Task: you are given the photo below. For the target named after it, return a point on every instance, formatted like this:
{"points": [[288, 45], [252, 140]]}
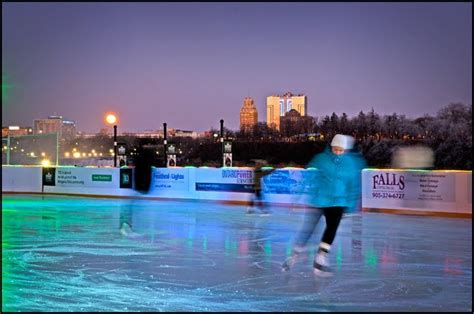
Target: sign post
{"points": [[171, 156], [227, 153]]}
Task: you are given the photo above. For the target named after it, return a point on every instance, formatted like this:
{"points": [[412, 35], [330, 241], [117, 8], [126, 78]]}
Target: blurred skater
{"points": [[413, 157], [256, 200], [338, 191], [144, 160]]}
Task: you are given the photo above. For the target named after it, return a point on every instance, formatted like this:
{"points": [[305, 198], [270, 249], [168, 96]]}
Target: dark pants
{"points": [[333, 217], [256, 197]]}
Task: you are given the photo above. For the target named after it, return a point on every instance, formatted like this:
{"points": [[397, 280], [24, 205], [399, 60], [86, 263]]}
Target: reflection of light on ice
{"points": [[67, 253]]}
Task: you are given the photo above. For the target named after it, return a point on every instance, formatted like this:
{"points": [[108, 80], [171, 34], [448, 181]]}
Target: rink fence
{"points": [[439, 193]]}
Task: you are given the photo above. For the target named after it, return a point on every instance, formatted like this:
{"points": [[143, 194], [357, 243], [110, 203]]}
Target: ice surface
{"points": [[68, 254]]}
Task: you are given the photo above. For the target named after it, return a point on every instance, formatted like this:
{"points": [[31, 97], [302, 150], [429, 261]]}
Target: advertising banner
{"points": [[170, 179], [121, 149], [171, 161], [284, 181], [85, 177], [225, 180], [410, 186], [227, 153], [227, 159], [49, 176], [126, 178]]}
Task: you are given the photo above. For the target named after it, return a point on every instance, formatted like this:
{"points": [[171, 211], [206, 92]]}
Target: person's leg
{"points": [[311, 219], [253, 198], [262, 207], [333, 217]]}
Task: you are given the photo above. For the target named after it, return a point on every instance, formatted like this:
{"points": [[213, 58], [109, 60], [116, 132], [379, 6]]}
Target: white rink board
{"points": [[22, 179], [433, 191]]}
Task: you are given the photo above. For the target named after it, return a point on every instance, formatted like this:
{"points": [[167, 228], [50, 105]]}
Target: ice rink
{"points": [[64, 253]]}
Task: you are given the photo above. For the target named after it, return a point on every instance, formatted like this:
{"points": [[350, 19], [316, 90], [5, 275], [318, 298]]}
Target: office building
{"points": [[55, 124], [248, 115], [278, 106]]}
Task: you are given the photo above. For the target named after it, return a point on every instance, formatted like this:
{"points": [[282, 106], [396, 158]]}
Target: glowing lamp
{"points": [[111, 119]]}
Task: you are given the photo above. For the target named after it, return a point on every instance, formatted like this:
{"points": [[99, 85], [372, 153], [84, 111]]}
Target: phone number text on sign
{"points": [[387, 195]]}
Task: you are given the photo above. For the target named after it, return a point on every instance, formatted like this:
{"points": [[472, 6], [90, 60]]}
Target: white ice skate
{"points": [[127, 231], [321, 265], [289, 262]]}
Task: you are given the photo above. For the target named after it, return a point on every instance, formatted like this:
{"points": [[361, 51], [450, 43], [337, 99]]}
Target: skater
{"points": [[355, 207], [337, 191], [143, 161], [256, 199]]}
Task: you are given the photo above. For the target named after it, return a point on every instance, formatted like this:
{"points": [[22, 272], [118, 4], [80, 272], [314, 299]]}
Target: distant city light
{"points": [[77, 155], [66, 154], [43, 154], [14, 128], [45, 162]]}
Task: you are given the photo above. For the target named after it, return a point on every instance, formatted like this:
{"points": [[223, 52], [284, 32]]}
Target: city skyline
{"points": [[191, 64]]}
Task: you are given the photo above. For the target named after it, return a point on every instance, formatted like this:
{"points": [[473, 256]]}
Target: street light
{"points": [[111, 119]]}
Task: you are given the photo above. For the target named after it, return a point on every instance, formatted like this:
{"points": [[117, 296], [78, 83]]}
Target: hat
{"points": [[344, 141]]}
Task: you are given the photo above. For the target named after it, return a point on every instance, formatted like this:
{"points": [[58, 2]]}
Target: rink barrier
{"points": [[419, 192], [429, 193]]}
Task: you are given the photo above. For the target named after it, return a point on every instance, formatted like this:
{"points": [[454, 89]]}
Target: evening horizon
{"points": [[192, 64]]}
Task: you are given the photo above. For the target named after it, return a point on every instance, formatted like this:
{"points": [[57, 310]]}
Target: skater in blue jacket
{"points": [[338, 191]]}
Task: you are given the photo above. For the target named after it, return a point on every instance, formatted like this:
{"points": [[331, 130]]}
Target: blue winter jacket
{"points": [[338, 180]]}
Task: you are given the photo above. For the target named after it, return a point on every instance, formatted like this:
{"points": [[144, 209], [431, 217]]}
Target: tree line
{"points": [[448, 134]]}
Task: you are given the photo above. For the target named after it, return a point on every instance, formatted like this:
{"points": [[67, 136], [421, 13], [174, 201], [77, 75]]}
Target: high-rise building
{"points": [[55, 124], [16, 131], [248, 115], [278, 106]]}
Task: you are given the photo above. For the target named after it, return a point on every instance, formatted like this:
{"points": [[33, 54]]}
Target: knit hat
{"points": [[343, 141]]}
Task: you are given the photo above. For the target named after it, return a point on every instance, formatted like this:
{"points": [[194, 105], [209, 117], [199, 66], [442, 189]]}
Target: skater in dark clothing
{"points": [[338, 191], [257, 199], [144, 160]]}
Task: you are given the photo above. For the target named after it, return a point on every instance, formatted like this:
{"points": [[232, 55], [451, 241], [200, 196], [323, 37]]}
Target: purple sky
{"points": [[192, 64]]}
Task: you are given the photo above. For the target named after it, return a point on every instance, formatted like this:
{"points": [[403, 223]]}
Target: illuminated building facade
{"points": [[278, 106], [248, 115], [55, 124], [16, 131]]}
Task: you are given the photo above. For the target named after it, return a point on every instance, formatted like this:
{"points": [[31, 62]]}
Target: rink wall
{"points": [[445, 193], [417, 191]]}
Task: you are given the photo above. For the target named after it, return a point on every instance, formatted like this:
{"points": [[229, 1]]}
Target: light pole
{"points": [[165, 143], [111, 119]]}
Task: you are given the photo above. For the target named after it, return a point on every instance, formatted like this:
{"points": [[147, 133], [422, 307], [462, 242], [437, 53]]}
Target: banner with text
{"points": [[410, 185], [225, 180], [176, 179], [86, 177]]}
